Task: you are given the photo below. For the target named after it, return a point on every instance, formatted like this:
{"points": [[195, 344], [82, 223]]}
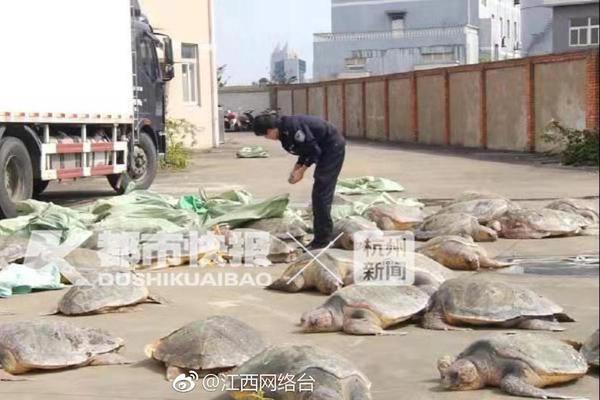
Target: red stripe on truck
{"points": [[69, 173], [103, 170], [107, 146], [69, 148]]}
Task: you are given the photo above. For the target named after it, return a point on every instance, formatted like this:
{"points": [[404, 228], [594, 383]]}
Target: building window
{"points": [[584, 31], [484, 2], [501, 27], [516, 31], [189, 73], [508, 28], [397, 20]]}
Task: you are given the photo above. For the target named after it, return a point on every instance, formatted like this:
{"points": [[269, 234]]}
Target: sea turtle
{"points": [[348, 227], [477, 301], [277, 252], [215, 344], [455, 224], [577, 207], [85, 266], [476, 195], [390, 217], [459, 253], [365, 309], [332, 270], [539, 224], [12, 249], [283, 227], [105, 298], [519, 365], [485, 210], [50, 344], [319, 375], [590, 350]]}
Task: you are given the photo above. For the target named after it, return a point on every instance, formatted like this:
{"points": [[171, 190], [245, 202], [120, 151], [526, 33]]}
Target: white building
{"points": [[286, 66], [374, 37]]}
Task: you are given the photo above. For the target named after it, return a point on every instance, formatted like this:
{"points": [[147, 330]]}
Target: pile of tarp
{"points": [[367, 185], [252, 152]]}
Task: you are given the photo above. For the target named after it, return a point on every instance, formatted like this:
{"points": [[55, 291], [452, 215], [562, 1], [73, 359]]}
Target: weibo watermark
{"points": [[244, 383]]}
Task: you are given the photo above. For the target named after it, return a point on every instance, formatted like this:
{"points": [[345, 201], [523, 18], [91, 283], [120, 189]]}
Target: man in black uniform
{"points": [[315, 141]]}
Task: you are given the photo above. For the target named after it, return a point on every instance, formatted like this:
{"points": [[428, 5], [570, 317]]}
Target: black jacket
{"points": [[308, 137]]}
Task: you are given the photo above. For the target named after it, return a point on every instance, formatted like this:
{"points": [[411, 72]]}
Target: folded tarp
{"points": [[234, 208], [367, 185], [21, 279], [252, 152], [346, 206]]}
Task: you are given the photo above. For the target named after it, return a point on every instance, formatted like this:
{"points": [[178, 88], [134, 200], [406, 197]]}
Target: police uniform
{"points": [[316, 141]]}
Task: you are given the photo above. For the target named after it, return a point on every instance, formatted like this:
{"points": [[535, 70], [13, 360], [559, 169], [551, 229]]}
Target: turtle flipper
{"points": [[285, 285], [360, 321], [487, 262], [109, 359], [518, 387], [328, 281], [433, 320], [6, 377], [540, 325]]}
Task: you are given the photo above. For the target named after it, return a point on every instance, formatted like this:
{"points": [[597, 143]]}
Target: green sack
{"points": [[252, 152], [367, 185]]}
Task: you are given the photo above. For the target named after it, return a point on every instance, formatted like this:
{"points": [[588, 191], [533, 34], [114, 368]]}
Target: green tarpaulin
{"points": [[252, 152], [21, 279], [367, 185]]}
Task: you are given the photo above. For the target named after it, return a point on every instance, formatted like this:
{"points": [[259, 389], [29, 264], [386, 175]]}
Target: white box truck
{"points": [[82, 93]]}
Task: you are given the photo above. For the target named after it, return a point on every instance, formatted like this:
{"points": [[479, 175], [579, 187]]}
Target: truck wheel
{"points": [[16, 175], [39, 186], [144, 168]]}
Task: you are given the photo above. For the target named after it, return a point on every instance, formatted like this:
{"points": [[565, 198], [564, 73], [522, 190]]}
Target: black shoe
{"points": [[312, 246]]}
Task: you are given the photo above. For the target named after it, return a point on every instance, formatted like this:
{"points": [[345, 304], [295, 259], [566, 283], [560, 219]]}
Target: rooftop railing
{"points": [[397, 34]]}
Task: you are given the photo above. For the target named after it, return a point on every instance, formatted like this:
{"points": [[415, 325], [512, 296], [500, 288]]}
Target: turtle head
{"points": [[485, 234], [459, 374], [320, 319]]}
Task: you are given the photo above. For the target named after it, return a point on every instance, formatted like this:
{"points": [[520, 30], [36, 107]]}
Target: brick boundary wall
{"points": [[528, 66]]}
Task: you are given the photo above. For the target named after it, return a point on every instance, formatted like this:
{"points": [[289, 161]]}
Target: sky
{"points": [[247, 31]]}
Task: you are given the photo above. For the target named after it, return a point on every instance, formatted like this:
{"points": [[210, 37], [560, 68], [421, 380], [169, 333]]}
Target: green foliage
{"points": [[177, 156], [576, 147]]}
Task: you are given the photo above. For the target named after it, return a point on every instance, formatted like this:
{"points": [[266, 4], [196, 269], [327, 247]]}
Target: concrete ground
{"points": [[399, 366]]}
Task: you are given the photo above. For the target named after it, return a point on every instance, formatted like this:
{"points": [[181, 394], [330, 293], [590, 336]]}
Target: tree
{"points": [[221, 80]]}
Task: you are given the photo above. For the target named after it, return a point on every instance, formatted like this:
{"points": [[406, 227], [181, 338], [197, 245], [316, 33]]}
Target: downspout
{"points": [[213, 69]]}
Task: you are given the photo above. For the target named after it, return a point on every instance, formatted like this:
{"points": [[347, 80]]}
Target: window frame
{"points": [[588, 33], [190, 79]]}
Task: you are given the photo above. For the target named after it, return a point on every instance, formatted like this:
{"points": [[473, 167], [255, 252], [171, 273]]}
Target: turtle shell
{"points": [[460, 224], [590, 350], [545, 355], [477, 300], [430, 272], [47, 344], [529, 223], [12, 249], [89, 299], [484, 210], [392, 304], [324, 366], [577, 207], [219, 342]]}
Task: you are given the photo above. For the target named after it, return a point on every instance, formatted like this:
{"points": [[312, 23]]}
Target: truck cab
{"points": [[95, 107]]}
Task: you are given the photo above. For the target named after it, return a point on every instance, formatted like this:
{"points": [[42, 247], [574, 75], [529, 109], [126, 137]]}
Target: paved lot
{"points": [[400, 367]]}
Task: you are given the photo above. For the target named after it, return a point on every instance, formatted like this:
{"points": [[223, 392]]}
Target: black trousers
{"points": [[326, 175]]}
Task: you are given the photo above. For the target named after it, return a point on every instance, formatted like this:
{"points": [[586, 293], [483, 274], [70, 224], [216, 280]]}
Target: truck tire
{"points": [[39, 186], [16, 175], [143, 171]]}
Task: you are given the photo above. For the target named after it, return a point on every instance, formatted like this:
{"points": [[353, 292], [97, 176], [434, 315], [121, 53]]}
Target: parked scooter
{"points": [[247, 121], [232, 122]]}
